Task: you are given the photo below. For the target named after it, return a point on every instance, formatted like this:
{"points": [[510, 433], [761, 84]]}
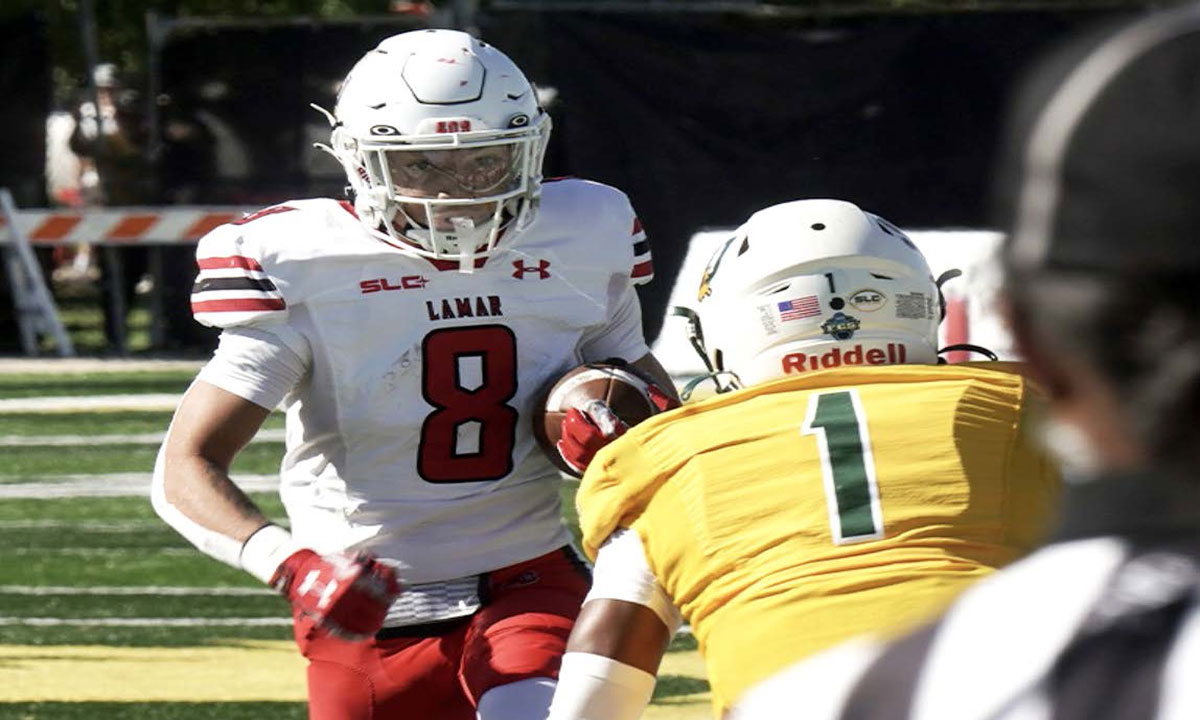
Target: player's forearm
{"points": [[203, 491], [197, 498], [192, 489], [348, 595]]}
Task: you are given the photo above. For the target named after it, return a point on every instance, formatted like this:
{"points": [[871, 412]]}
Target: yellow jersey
{"points": [[790, 516]]}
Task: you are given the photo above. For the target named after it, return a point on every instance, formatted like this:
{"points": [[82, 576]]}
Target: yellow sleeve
{"points": [[618, 484]]}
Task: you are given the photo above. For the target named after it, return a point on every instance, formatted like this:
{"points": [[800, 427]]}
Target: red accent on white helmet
{"points": [[442, 92]]}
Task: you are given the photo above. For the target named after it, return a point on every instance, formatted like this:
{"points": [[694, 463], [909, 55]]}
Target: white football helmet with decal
{"points": [[812, 284], [442, 140]]}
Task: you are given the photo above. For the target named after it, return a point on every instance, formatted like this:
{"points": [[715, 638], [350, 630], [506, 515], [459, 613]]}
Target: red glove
{"points": [[346, 595], [585, 431]]}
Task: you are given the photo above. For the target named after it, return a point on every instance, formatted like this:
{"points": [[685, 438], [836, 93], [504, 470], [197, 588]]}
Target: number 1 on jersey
{"points": [[847, 464]]}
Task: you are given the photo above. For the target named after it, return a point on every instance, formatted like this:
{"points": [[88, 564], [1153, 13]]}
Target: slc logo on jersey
{"points": [[408, 282]]}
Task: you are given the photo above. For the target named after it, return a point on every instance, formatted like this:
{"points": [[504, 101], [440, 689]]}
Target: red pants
{"points": [[521, 632]]}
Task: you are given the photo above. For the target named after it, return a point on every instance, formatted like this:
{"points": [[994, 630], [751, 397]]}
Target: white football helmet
{"points": [[442, 140], [813, 284]]}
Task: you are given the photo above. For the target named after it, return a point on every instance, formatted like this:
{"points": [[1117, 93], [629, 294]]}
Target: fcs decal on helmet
{"points": [[807, 291], [841, 326], [442, 141]]}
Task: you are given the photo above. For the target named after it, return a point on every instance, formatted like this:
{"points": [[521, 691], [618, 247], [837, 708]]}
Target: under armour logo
{"points": [[541, 270]]}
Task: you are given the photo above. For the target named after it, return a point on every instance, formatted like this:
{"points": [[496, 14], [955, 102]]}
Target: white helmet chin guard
{"points": [[442, 140], [814, 284]]}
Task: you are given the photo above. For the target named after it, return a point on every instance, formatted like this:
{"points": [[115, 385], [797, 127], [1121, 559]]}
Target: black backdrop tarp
{"points": [[704, 118], [25, 87], [234, 117], [701, 118]]}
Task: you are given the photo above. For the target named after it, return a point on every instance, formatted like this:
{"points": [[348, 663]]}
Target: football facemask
{"points": [[442, 141]]}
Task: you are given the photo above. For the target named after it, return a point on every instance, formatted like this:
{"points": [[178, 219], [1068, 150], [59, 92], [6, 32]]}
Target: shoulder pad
{"points": [[616, 219], [642, 270], [232, 288]]}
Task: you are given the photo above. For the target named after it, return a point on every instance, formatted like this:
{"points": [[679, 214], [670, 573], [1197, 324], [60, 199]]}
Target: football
{"points": [[621, 388]]}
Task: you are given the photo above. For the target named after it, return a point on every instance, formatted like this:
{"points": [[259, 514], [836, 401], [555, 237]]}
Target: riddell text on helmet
{"points": [[894, 354]]}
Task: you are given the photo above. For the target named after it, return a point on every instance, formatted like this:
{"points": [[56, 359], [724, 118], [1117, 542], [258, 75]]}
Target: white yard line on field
{"points": [[146, 401], [83, 525], [274, 435], [58, 366], [149, 622], [133, 590], [109, 553], [112, 485]]}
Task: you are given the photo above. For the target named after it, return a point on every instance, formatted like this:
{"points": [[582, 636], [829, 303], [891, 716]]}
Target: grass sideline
{"points": [[29, 385], [103, 561]]}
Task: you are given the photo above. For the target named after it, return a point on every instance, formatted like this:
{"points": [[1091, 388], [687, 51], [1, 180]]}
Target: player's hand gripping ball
{"points": [[589, 407]]}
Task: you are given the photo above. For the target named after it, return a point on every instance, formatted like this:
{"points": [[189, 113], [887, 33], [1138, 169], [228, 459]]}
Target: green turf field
{"points": [[105, 612], [24, 385]]}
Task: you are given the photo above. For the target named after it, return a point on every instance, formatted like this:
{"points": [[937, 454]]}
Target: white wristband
{"points": [[265, 550]]}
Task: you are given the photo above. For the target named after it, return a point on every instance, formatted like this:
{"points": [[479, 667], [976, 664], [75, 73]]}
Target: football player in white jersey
{"points": [[408, 335]]}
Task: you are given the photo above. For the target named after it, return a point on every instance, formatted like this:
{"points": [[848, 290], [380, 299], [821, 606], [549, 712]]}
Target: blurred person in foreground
{"points": [[851, 484], [407, 336], [1103, 623]]}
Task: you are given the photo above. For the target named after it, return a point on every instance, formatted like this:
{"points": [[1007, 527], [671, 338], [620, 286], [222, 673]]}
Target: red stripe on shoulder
{"points": [[263, 213], [637, 225], [643, 269], [239, 305], [233, 261]]}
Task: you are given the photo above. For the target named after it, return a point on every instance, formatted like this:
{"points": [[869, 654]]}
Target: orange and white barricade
{"points": [[167, 225]]}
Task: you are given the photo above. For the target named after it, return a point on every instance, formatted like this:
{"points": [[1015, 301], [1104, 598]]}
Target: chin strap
{"points": [[968, 347], [731, 383], [942, 280], [696, 337]]}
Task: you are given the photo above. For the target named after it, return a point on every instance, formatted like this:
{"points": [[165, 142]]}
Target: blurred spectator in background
{"points": [[109, 137], [64, 188], [64, 169], [187, 169]]}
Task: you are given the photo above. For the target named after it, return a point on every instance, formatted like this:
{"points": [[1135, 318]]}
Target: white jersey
{"points": [[408, 416]]}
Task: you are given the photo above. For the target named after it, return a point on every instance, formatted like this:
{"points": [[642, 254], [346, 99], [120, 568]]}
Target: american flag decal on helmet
{"points": [[233, 286], [643, 265]]}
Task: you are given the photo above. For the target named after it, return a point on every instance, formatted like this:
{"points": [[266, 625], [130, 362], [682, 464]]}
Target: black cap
{"points": [[1104, 170]]}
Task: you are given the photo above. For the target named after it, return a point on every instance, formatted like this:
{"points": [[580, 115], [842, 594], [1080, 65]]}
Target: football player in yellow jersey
{"points": [[851, 484]]}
